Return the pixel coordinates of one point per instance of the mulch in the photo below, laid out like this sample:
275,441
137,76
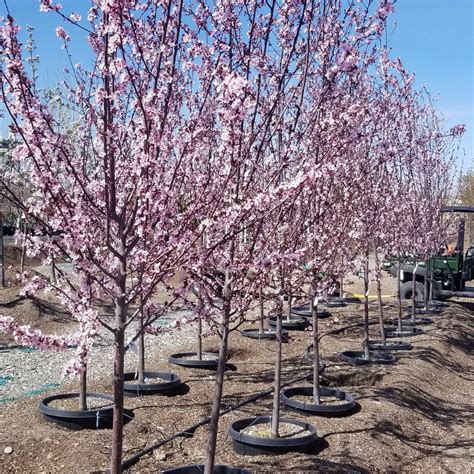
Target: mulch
414,416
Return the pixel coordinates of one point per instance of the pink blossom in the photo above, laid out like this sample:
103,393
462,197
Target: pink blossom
458,130
61,33
75,17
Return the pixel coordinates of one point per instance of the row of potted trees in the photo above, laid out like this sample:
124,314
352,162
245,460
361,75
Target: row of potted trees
255,148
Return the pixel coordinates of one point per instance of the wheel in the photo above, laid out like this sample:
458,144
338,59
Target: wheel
406,291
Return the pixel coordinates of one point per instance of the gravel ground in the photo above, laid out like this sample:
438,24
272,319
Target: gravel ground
27,372
415,416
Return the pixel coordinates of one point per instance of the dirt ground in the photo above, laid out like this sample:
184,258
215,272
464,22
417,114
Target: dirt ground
414,416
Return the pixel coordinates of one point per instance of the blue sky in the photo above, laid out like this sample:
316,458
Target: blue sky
434,38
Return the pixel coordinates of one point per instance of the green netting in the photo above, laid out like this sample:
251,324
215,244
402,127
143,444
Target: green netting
4,379
28,393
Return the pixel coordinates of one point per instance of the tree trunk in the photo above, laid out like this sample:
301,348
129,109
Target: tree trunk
199,347
261,321
277,380
216,402
23,248
413,296
2,256
83,389
314,314
399,297
119,348
141,351
341,287
53,270
288,316
427,281
366,306
431,280
379,298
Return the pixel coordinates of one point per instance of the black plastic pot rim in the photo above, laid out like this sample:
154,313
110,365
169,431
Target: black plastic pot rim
418,304
408,321
344,299
199,468
235,432
180,359
437,304
426,311
375,357
406,328
267,333
57,412
335,304
172,382
405,333
350,299
295,324
304,311
390,346
288,393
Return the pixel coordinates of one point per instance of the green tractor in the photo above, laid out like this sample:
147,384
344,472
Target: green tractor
447,273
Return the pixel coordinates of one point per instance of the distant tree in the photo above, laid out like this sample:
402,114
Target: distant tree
466,196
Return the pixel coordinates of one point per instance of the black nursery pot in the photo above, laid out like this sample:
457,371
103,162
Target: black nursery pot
199,469
294,324
254,446
184,360
348,299
418,304
169,387
321,409
407,321
100,418
429,310
390,346
375,357
392,331
305,312
437,304
335,303
268,334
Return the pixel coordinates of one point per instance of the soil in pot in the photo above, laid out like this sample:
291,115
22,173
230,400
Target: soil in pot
71,404
147,381
286,430
390,346
392,332
155,383
305,312
427,311
251,436
407,321
296,323
62,410
199,469
309,399
333,402
204,356
268,334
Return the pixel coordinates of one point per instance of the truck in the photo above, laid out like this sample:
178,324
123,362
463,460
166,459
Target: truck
447,272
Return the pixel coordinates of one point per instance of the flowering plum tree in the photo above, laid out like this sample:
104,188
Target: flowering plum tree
114,191
203,130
